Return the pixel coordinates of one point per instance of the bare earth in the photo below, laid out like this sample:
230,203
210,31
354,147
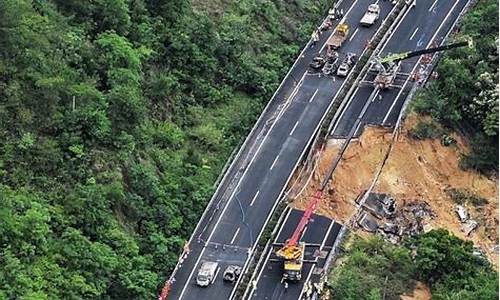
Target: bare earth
415,170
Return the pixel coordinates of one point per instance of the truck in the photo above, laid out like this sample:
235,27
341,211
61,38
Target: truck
207,273
338,37
371,15
292,267
346,64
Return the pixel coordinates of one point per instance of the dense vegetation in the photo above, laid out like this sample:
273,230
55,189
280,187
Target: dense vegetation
116,117
374,269
465,96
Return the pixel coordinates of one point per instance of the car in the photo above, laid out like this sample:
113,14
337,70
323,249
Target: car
317,63
232,273
346,65
207,273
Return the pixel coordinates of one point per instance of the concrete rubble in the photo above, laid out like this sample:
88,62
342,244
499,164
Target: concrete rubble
381,215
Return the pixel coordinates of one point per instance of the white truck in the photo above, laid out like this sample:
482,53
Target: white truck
371,15
207,273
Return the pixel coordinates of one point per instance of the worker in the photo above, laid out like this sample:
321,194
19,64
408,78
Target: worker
315,38
286,285
341,13
332,14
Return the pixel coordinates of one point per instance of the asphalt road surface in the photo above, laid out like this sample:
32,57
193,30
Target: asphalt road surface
229,230
427,23
319,236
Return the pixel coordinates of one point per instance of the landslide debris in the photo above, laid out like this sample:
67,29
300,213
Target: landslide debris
417,171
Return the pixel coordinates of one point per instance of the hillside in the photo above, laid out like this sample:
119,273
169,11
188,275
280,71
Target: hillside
116,117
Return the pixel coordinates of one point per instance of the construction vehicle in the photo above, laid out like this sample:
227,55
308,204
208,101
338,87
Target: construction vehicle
371,15
232,273
293,250
338,37
346,65
206,273
387,67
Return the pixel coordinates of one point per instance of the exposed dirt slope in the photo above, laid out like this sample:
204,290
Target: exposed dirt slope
420,170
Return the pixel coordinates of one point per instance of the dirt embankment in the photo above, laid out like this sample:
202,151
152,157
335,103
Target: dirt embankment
416,170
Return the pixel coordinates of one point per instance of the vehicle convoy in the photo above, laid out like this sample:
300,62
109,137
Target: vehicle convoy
371,15
346,65
206,273
339,36
387,67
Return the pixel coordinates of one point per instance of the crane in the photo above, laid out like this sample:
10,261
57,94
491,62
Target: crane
388,66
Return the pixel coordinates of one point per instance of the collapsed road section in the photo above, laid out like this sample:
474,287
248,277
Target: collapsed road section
249,192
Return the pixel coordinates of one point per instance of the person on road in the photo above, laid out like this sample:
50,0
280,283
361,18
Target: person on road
315,38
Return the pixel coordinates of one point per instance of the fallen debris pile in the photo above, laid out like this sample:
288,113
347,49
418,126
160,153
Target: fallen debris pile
411,218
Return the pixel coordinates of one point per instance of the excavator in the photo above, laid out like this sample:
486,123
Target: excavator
387,67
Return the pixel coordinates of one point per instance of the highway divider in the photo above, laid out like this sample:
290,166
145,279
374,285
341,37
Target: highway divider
347,88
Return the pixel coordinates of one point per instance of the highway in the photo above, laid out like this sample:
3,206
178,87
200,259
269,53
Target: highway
248,194
319,235
425,24
414,31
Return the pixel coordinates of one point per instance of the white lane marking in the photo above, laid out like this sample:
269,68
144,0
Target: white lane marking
274,162
260,273
415,32
316,259
295,126
395,28
343,111
417,64
282,225
433,4
376,94
326,235
340,22
235,235
254,197
314,95
353,34
216,273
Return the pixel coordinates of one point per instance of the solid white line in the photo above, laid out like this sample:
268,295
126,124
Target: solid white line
395,29
282,225
343,111
260,273
417,64
274,162
353,34
235,235
254,197
216,273
314,95
295,126
415,32
340,22
433,4
326,235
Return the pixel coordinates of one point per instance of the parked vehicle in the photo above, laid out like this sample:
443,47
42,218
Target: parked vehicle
371,15
346,65
338,37
207,273
232,273
318,62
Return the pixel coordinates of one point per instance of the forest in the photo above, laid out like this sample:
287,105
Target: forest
116,118
465,95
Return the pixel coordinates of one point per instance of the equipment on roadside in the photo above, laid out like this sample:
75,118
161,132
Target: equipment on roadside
206,273
338,37
371,15
387,68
